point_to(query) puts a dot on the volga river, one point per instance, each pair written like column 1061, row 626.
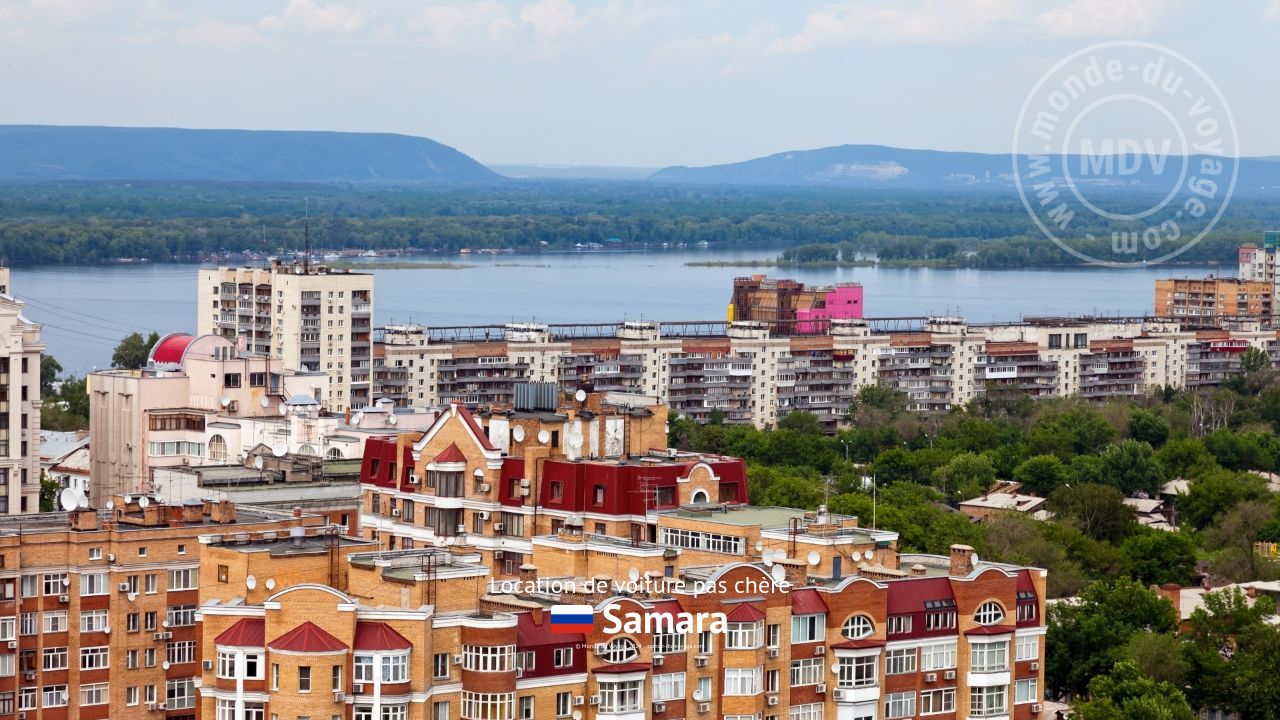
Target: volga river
column 85, row 310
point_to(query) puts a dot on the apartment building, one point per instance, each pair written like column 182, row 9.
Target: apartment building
column 419, row 634
column 1213, row 297
column 98, row 607
column 20, row 353
column 186, row 407
column 310, row 317
column 791, row 307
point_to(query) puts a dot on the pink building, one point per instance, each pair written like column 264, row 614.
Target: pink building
column 842, row 302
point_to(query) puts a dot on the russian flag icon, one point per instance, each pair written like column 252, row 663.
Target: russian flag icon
column 571, row 618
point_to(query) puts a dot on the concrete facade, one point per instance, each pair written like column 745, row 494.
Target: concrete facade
column 20, row 351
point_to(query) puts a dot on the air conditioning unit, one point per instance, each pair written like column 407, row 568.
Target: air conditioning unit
column 151, row 706
column 413, row 479
column 457, row 659
column 524, row 483
column 841, row 695
column 498, row 527
column 462, row 529
column 578, row 700
column 701, row 661
column 657, row 660
column 595, row 699
column 1036, row 707
column 519, row 673
column 482, row 487
column 704, row 707
column 949, row 675
column 207, row 665
column 499, row 554
column 931, row 677
column 659, row 707
column 482, row 514
column 339, row 696
column 820, row 688
column 395, row 512
column 13, row 644
column 64, row 598
column 162, row 706
column 773, row 652
column 22, row 716
column 111, row 557
column 123, row 587
column 772, row 701
column 357, row 689
column 163, row 636
column 820, row 650
column 1035, row 666
column 524, row 492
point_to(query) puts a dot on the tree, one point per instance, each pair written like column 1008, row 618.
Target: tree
column 1015, row 538
column 965, row 476
column 49, row 489
column 1097, row 510
column 1041, row 474
column 1132, row 467
column 1085, row 639
column 1233, row 537
column 132, row 351
column 1158, row 557
column 50, row 368
column 1146, row 426
column 1218, row 635
column 1160, row 657
column 1079, row 430
column 801, row 422
column 1125, row 693
column 1215, row 492
column 1255, row 360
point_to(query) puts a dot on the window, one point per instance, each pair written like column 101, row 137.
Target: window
column 131, row 659
column 858, row 627
column 180, row 615
column 526, row 707
column 900, row 705
column 667, row 643
column 231, row 380
column 335, row 678
column 620, row 650
column 620, row 697
column 217, row 448
column 1025, row 691
column 743, row 636
column 990, row 656
column 488, row 658
column 669, row 686
column 304, row 678
column 275, row 676
column 180, row 694
column 940, row 620
column 772, row 635
column 27, row 698
column 806, row 672
column 151, row 580
column 94, row 658
column 698, row 540
column 704, row 689
column 226, row 709
column 149, row 657
column 562, row 657
column 525, row 660
column 55, row 584
column 486, row 706
column 257, row 379
column 181, row 651
column 55, row 621
column 131, row 622
column 440, row 665
column 95, row 553
column 439, row 710
column 989, row 613
column 1027, row 611
column 564, row 704
column 53, row 696
column 939, row 656
column 149, row 620
column 8, row 665
column 810, row 711
column 900, row 661
column 742, row 681
column 28, row 622
column 704, row 642
column 93, row 620
column 899, row 624
column 1028, row 647
column 54, row 659
column 131, row 695
column 8, row 628
column 184, row 579
column 362, row 668
column 30, row 586
column 858, row 671
column 175, row 447
column 808, row 628
column 395, row 668
column 772, row 679
column 988, row 701
column 253, row 668
column 937, row 701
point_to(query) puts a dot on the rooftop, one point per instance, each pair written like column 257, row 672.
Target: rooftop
column 59, row 521
column 1006, row 501
column 311, row 540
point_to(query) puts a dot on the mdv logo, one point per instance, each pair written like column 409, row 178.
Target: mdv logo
column 1123, row 156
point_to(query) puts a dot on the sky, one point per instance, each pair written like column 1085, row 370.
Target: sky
column 606, row 82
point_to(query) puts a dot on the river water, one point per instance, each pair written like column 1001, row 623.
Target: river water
column 86, row 310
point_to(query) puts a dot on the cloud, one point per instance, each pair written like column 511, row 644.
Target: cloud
column 1273, row 12
column 899, row 22
column 552, row 18
column 464, row 25
column 65, row 13
column 1106, row 17
column 215, row 32
column 312, row 17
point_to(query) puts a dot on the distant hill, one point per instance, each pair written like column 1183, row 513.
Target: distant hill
column 47, row 152
column 572, row 172
column 878, row 166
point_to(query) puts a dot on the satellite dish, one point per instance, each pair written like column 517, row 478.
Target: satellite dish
column 779, row 573
column 106, row 630
column 66, row 582
column 263, row 401
column 257, row 461
column 518, row 434
column 766, row 557
column 544, row 437
column 814, row 557
column 759, row 545
column 975, row 559
column 111, row 505
column 165, row 664
column 283, row 409
column 271, row 583
column 391, row 419
column 67, row 499
column 226, row 400
column 355, row 420
column 144, row 501
column 279, row 449
column 633, row 573
column 251, row 582
column 128, row 499
column 580, row 395
column 577, row 715
column 868, row 554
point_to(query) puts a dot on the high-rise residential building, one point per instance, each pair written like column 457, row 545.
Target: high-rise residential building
column 312, row 317
column 20, row 351
column 790, row 306
column 1213, row 297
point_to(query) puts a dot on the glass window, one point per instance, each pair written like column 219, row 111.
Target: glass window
column 989, row 613
column 1028, row 647
column 620, row 650
column 937, row 701
column 938, row 656
column 806, row 672
column 669, row 686
column 743, row 636
column 990, row 656
column 487, row 706
column 900, row 661
column 899, row 624
column 900, row 705
column 858, row 671
column 858, row 627
column 742, row 681
column 808, row 628
column 809, row 711
column 488, row 658
column 1026, row 691
column 620, row 697
column 988, row 701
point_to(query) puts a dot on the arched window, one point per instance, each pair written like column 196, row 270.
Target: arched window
column 218, row 448
column 699, row 496
column 989, row 613
column 307, row 451
column 621, row 650
column 334, row 454
column 858, row 627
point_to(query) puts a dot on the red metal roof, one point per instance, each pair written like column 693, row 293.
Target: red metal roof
column 247, row 632
column 531, row 634
column 909, row 596
column 475, row 428
column 991, row 630
column 807, row 601
column 451, row 454
column 666, row 606
column 622, row 668
column 745, row 612
column 308, row 638
column 858, row 644
column 379, row 636
column 170, row 348
column 1025, row 584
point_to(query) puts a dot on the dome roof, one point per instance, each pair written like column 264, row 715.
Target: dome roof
column 169, row 350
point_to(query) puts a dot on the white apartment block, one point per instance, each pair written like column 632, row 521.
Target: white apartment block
column 312, row 317
column 744, row 374
column 20, row 354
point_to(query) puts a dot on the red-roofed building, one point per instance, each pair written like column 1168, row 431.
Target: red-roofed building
column 248, row 632
column 307, row 638
column 379, row 636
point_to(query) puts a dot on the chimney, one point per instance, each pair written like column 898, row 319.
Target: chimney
column 192, row 513
column 796, row 571
column 83, row 519
column 918, row 570
column 961, row 560
column 1173, row 591
column 528, row 577
column 223, row 512
column 296, row 535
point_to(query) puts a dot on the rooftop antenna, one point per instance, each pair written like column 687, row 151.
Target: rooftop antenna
column 306, row 235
